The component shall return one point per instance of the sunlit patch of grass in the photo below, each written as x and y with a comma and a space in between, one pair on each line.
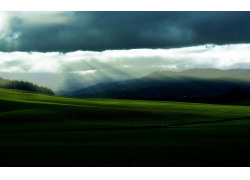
18, 107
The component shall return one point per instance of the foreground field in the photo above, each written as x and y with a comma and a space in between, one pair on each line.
43, 130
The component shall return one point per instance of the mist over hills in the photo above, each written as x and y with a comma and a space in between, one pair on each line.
195, 85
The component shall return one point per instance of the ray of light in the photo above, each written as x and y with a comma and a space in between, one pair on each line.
4, 25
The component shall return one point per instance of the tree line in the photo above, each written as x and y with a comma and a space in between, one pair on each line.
26, 86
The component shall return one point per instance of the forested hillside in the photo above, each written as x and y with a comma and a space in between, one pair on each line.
26, 86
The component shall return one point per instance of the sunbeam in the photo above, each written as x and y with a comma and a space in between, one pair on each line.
3, 24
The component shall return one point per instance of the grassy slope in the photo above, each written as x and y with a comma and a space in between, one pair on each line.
21, 107
43, 130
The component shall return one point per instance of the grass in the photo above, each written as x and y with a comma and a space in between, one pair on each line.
44, 130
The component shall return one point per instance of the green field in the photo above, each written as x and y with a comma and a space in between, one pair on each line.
44, 130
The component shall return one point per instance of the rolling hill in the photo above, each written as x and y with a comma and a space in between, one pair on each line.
21, 106
45, 130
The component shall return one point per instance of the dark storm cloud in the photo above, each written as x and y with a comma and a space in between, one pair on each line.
98, 31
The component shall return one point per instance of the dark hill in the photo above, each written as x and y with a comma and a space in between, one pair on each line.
99, 87
194, 85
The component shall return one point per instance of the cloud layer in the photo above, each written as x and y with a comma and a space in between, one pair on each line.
99, 31
130, 61
83, 68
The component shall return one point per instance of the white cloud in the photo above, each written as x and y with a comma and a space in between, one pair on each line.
135, 60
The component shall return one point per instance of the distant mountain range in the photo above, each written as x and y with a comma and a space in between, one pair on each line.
196, 85
99, 87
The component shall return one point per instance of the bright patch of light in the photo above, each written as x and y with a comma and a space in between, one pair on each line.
169, 66
84, 72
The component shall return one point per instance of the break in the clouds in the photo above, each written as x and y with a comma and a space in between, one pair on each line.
100, 31
84, 68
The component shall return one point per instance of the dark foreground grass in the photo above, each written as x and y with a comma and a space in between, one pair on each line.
203, 145
41, 130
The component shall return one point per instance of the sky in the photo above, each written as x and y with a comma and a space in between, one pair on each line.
71, 50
